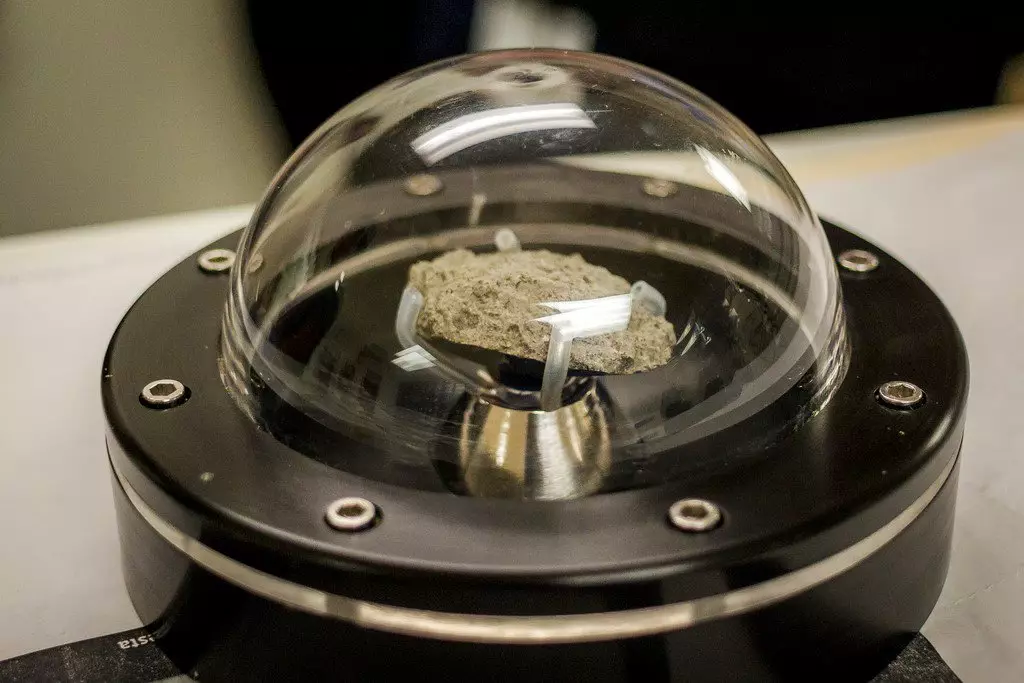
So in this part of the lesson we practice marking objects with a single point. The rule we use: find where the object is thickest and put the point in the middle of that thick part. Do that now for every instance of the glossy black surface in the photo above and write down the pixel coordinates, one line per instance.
(844, 630)
(846, 472)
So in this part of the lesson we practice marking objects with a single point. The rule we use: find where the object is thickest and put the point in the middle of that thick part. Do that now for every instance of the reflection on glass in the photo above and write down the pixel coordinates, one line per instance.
(474, 129)
(533, 274)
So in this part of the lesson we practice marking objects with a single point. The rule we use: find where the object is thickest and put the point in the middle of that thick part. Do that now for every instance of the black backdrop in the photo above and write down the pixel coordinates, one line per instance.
(775, 67)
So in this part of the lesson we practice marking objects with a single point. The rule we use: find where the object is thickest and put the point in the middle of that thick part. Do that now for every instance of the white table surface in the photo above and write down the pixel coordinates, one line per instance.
(939, 192)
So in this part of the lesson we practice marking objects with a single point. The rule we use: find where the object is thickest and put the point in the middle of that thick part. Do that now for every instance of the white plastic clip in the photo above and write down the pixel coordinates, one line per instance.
(576, 320)
(648, 297)
(587, 318)
(417, 354)
(409, 308)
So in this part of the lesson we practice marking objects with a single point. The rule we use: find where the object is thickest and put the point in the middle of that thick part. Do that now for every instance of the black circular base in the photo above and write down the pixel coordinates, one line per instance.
(847, 629)
(832, 552)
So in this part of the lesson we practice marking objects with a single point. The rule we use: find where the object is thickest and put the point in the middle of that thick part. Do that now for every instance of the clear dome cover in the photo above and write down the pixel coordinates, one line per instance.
(532, 274)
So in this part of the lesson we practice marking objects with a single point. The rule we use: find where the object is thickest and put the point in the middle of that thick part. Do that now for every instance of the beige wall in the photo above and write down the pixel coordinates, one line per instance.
(113, 109)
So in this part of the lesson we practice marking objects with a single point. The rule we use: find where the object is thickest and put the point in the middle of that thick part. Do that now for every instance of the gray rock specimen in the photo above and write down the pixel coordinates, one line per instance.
(492, 300)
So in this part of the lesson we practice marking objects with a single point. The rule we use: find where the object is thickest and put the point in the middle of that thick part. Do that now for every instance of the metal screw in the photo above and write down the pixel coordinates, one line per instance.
(900, 394)
(858, 260)
(206, 477)
(351, 514)
(423, 185)
(255, 263)
(657, 187)
(694, 515)
(164, 393)
(216, 260)
(522, 77)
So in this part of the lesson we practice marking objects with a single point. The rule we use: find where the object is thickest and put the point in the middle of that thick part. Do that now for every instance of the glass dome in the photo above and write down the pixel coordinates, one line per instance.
(532, 274)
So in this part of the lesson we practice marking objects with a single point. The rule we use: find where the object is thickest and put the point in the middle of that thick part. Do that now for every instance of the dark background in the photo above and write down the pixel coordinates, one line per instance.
(116, 109)
(777, 70)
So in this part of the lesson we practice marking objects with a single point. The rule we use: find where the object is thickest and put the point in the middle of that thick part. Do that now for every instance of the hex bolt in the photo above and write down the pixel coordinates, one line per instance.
(657, 187)
(255, 263)
(163, 393)
(423, 185)
(694, 515)
(351, 514)
(900, 394)
(858, 260)
(216, 260)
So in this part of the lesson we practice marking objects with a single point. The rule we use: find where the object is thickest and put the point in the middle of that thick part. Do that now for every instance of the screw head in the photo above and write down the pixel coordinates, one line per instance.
(527, 75)
(660, 188)
(423, 185)
(216, 260)
(163, 393)
(523, 77)
(694, 515)
(351, 514)
(858, 260)
(255, 263)
(900, 394)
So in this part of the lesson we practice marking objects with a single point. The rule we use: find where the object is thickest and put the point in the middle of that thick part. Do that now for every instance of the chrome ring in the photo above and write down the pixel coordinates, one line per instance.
(533, 630)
